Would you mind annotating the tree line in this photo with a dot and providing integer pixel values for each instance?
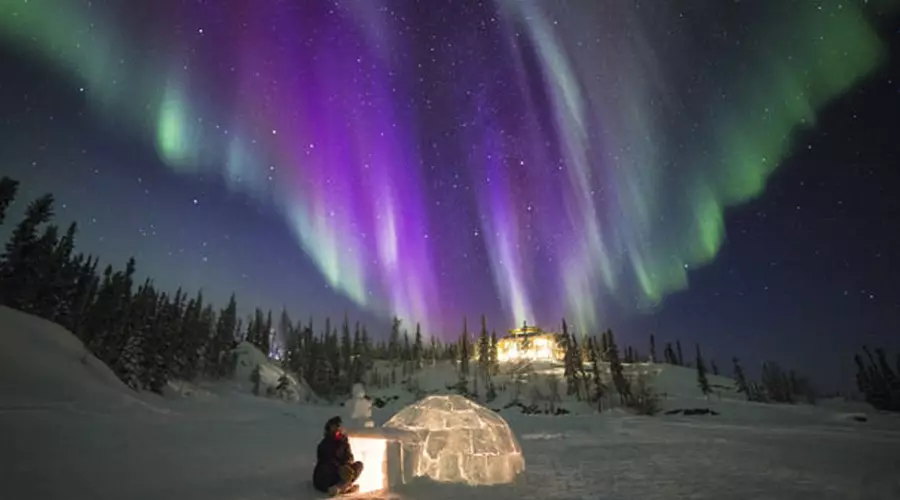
(148, 336)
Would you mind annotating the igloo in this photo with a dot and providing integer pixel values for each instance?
(459, 441)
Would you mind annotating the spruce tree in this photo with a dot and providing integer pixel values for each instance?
(616, 370)
(579, 377)
(464, 355)
(418, 349)
(484, 351)
(652, 348)
(83, 295)
(223, 340)
(293, 351)
(569, 365)
(8, 190)
(739, 379)
(366, 355)
(599, 386)
(604, 347)
(702, 381)
(680, 356)
(406, 352)
(268, 331)
(356, 364)
(393, 346)
(35, 297)
(494, 355)
(21, 261)
(433, 351)
(130, 365)
(890, 378)
(154, 369)
(346, 354)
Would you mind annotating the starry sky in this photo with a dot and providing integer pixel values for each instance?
(722, 173)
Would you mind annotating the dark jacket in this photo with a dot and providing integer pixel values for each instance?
(331, 454)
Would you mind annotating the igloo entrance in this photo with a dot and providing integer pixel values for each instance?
(459, 441)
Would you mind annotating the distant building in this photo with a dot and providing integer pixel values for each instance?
(528, 343)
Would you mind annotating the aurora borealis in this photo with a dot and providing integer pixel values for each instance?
(582, 154)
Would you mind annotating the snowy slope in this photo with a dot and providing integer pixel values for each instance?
(240, 447)
(43, 365)
(249, 357)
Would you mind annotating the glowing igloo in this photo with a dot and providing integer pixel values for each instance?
(460, 441)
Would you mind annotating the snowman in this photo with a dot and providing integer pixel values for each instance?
(360, 408)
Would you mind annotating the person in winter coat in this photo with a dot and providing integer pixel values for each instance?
(336, 470)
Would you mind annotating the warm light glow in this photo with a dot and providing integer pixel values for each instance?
(460, 441)
(534, 348)
(372, 452)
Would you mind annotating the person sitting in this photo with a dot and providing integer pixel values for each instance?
(336, 471)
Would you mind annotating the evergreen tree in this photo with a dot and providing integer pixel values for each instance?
(484, 352)
(702, 381)
(267, 335)
(285, 329)
(616, 370)
(604, 347)
(739, 378)
(21, 261)
(406, 353)
(83, 295)
(54, 295)
(680, 356)
(669, 354)
(129, 366)
(714, 367)
(8, 190)
(346, 354)
(652, 348)
(599, 386)
(433, 351)
(579, 375)
(569, 365)
(331, 367)
(494, 359)
(775, 383)
(877, 381)
(366, 355)
(222, 342)
(890, 378)
(464, 355)
(110, 313)
(156, 348)
(394, 342)
(357, 370)
(417, 349)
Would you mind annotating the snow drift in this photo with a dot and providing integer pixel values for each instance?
(43, 364)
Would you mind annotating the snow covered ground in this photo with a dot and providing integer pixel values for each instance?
(71, 430)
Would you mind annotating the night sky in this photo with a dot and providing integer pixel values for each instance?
(718, 172)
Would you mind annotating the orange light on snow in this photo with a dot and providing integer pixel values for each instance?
(372, 452)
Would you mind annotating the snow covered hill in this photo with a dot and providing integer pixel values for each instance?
(43, 365)
(69, 430)
(249, 357)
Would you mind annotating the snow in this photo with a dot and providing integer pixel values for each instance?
(249, 357)
(71, 431)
